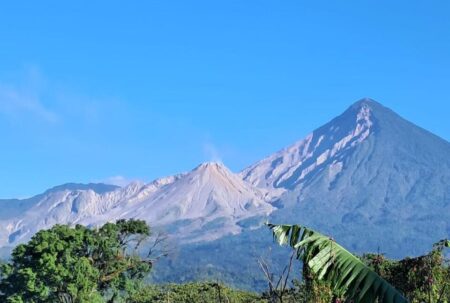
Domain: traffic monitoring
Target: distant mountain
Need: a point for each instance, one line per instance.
(204, 204)
(368, 178)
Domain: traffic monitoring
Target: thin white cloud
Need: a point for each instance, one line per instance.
(16, 102)
(117, 180)
(30, 95)
(211, 152)
(24, 97)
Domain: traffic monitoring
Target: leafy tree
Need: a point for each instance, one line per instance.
(325, 260)
(76, 265)
(206, 292)
(421, 279)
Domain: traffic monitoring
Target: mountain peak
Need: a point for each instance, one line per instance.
(213, 173)
(210, 166)
(366, 102)
(325, 146)
(371, 169)
(210, 197)
(369, 105)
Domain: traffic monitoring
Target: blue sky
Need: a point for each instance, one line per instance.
(93, 91)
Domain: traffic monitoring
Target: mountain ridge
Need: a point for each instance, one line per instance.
(209, 193)
(369, 178)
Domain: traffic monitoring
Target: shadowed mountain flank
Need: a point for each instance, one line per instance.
(369, 178)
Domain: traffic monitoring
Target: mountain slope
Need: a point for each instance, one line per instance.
(65, 204)
(326, 146)
(204, 204)
(369, 178)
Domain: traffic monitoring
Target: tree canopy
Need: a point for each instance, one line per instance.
(77, 264)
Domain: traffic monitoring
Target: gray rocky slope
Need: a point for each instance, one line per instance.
(369, 178)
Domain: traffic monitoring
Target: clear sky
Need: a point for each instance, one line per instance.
(106, 90)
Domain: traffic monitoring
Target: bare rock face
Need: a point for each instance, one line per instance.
(325, 147)
(207, 203)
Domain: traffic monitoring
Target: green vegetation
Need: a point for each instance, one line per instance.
(194, 293)
(422, 279)
(332, 274)
(78, 264)
(106, 265)
(232, 260)
(325, 260)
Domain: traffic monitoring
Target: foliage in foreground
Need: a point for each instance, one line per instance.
(422, 279)
(206, 292)
(79, 265)
(325, 260)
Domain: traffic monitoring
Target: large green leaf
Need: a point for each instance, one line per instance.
(333, 263)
